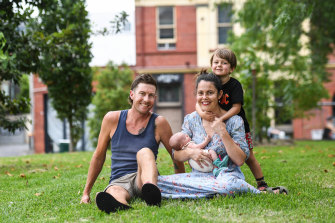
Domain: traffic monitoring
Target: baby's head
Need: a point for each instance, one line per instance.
(178, 140)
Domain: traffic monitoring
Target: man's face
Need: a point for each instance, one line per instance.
(143, 96)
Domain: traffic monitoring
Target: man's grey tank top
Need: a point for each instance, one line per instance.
(124, 146)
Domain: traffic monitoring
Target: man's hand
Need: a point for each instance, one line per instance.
(85, 199)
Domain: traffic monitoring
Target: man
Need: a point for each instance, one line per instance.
(135, 135)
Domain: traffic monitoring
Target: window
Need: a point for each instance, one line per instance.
(169, 90)
(224, 22)
(166, 28)
(166, 46)
(283, 104)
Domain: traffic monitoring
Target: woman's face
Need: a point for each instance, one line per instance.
(208, 96)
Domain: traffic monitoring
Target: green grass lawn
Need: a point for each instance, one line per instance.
(48, 188)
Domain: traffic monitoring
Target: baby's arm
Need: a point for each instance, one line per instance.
(204, 115)
(202, 145)
(231, 112)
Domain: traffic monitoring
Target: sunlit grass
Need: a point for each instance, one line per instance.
(48, 188)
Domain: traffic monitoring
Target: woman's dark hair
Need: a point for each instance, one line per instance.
(205, 76)
(142, 78)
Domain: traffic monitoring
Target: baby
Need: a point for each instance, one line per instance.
(181, 140)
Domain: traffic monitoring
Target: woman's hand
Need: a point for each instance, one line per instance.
(200, 156)
(218, 125)
(234, 151)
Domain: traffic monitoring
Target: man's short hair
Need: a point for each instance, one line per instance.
(142, 78)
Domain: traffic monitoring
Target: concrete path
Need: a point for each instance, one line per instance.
(11, 150)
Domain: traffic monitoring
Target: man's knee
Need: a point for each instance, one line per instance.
(117, 190)
(145, 153)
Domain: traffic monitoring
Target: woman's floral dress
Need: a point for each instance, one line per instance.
(197, 184)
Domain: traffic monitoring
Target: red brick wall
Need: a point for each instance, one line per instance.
(186, 29)
(147, 54)
(189, 96)
(39, 91)
(302, 127)
(145, 32)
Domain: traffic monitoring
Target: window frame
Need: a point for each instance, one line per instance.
(166, 42)
(223, 24)
(178, 83)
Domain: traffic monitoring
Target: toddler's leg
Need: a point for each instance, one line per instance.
(254, 165)
(256, 171)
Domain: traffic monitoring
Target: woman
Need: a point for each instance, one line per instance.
(228, 138)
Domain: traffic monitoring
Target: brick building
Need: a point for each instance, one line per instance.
(40, 93)
(174, 40)
(49, 132)
(311, 127)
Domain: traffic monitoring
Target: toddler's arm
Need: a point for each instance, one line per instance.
(204, 115)
(231, 112)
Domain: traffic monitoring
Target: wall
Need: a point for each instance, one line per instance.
(302, 128)
(39, 90)
(147, 54)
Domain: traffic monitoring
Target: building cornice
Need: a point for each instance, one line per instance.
(139, 3)
(167, 70)
(41, 89)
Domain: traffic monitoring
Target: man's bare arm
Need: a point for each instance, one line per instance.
(99, 156)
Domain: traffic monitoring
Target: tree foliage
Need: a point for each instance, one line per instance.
(62, 35)
(24, 88)
(280, 48)
(118, 24)
(17, 57)
(111, 94)
(54, 44)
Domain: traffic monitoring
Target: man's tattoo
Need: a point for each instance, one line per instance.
(141, 130)
(175, 166)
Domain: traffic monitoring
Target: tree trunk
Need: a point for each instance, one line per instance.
(71, 149)
(253, 111)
